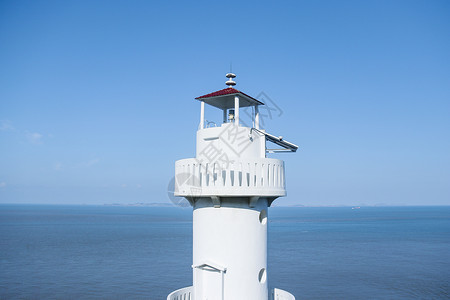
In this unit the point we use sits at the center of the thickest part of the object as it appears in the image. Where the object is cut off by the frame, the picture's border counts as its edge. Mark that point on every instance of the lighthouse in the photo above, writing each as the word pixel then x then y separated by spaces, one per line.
pixel 230 185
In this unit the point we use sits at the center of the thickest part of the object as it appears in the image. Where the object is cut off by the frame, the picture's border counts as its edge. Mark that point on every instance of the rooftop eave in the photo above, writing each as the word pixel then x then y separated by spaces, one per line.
pixel 225 99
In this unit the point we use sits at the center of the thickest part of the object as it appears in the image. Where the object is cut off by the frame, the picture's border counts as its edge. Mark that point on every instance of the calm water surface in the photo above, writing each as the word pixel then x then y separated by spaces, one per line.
pixel 107 252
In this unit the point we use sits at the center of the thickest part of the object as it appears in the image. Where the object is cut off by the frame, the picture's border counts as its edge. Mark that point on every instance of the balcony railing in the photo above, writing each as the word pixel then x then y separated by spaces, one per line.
pixel 186 294
pixel 243 177
pixel 278 294
pixel 181 294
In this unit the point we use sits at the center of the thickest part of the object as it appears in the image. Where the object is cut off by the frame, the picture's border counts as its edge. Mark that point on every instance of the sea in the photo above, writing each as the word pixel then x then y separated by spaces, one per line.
pixel 141 252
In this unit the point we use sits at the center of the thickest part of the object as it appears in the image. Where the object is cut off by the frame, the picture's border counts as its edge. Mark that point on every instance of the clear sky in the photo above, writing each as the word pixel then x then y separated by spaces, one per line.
pixel 97 97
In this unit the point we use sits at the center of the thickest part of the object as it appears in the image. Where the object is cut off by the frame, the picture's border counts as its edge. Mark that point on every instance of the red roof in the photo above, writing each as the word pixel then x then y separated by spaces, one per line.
pixel 227 91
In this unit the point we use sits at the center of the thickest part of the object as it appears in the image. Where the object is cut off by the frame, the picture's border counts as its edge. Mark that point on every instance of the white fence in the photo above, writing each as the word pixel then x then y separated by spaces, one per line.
pixel 278 294
pixel 247 177
pixel 181 294
pixel 186 294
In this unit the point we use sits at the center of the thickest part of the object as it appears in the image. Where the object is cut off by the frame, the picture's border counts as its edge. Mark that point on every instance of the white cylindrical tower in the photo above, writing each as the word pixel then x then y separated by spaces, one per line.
pixel 230 249
pixel 230 185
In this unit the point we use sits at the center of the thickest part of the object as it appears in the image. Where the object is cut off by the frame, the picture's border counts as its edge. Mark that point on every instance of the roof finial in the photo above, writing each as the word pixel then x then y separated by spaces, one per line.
pixel 230 81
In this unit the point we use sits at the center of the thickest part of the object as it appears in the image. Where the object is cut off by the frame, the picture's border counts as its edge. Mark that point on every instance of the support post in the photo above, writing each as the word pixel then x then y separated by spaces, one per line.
pixel 225 115
pixel 256 116
pixel 202 115
pixel 236 110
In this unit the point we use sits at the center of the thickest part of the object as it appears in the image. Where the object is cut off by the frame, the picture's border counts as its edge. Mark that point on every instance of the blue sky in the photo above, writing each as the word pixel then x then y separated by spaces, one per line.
pixel 97 97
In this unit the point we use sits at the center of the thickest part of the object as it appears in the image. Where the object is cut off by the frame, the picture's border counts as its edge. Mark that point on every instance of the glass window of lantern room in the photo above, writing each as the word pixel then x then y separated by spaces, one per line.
pixel 213 116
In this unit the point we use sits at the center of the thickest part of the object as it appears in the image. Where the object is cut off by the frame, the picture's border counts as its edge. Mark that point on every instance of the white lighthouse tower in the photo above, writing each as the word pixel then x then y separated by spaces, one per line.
pixel 230 185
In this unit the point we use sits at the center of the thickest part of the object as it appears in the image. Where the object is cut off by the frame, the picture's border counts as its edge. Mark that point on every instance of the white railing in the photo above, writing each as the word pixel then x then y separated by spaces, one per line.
pixel 181 294
pixel 243 177
pixel 186 294
pixel 278 294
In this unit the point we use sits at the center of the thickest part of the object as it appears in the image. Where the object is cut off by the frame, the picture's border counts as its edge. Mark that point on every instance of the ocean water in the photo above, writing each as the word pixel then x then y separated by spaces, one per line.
pixel 108 252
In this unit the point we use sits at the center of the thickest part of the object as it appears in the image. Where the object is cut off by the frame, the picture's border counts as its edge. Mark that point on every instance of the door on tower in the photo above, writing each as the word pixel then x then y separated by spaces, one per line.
pixel 209 282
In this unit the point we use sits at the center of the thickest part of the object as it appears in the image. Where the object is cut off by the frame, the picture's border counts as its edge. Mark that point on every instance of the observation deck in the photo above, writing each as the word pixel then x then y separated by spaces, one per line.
pixel 263 177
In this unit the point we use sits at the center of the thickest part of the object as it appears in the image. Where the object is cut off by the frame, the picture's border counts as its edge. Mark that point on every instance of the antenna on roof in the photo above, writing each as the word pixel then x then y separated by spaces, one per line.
pixel 230 81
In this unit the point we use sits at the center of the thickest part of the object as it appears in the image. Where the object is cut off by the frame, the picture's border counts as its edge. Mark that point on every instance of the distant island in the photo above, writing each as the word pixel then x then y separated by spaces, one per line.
pixel 160 204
